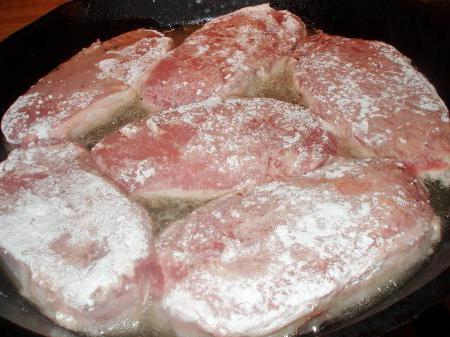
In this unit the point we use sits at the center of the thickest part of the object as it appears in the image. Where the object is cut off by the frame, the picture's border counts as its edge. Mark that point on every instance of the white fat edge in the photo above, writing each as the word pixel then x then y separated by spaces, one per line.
pixel 130 63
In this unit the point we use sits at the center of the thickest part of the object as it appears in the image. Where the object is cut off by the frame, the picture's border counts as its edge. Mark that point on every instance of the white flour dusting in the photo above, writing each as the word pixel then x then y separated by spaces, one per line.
pixel 215 145
pixel 259 261
pixel 369 91
pixel 77 234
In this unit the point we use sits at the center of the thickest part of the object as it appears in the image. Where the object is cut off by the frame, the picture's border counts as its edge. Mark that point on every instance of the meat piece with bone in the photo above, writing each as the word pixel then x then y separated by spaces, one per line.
pixel 292 254
pixel 231 56
pixel 203 150
pixel 373 98
pixel 73 243
pixel 93 90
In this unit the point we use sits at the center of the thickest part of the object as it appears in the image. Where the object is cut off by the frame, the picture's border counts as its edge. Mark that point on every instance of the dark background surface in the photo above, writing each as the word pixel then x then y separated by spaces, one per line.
pixel 421 32
pixel 15 14
pixel 434 322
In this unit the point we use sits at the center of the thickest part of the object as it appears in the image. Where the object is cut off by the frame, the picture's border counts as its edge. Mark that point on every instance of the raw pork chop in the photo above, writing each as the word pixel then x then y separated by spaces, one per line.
pixel 372 96
pixel 95 87
pixel 204 149
pixel 75 245
pixel 229 56
pixel 294 253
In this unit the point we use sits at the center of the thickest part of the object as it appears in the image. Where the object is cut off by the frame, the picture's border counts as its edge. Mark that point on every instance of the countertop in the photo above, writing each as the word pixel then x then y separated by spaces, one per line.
pixel 15 14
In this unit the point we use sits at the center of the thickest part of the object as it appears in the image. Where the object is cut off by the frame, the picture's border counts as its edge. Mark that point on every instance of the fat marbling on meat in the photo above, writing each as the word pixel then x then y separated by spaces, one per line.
pixel 205 149
pixel 74 244
pixel 96 87
pixel 230 56
pixel 290 254
pixel 376 101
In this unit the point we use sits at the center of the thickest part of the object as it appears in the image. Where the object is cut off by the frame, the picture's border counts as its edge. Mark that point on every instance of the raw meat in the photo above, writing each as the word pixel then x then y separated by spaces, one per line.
pixel 294 253
pixel 205 149
pixel 73 243
pixel 231 56
pixel 96 87
pixel 374 99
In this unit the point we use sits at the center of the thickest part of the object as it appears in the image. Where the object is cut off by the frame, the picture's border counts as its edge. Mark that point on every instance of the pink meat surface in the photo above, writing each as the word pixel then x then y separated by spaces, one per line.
pixel 75 245
pixel 295 252
pixel 205 149
pixel 88 90
pixel 375 100
pixel 224 58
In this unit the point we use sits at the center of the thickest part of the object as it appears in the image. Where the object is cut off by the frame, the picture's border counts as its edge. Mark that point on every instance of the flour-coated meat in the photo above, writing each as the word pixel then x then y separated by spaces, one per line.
pixel 374 99
pixel 92 89
pixel 294 253
pixel 75 245
pixel 205 149
pixel 226 57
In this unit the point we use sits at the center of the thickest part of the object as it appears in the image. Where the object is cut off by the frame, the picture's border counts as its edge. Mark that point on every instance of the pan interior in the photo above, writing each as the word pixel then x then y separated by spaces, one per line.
pixel 414 30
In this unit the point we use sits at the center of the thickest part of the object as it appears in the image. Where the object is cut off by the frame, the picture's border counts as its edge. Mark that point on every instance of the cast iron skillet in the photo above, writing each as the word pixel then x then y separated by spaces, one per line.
pixel 422 35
